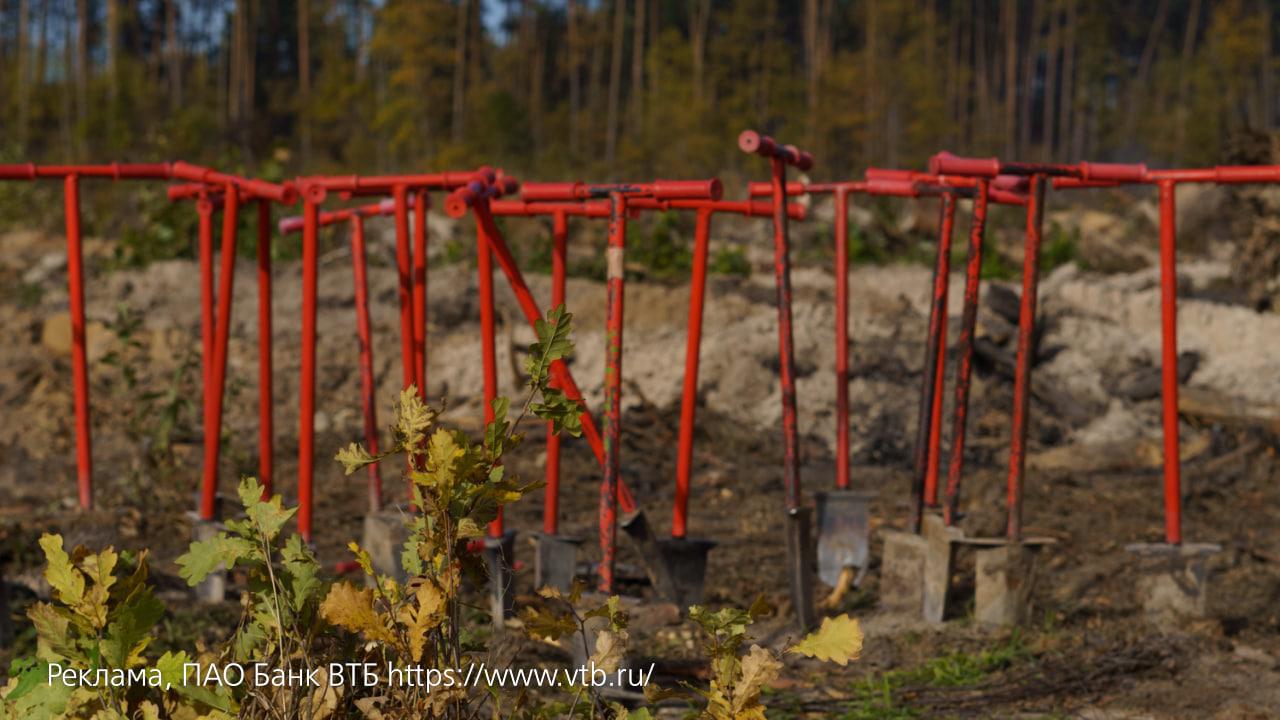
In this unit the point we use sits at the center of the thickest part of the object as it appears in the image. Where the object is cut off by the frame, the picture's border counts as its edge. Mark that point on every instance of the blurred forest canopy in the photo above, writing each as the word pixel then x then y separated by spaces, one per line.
pixel 637 88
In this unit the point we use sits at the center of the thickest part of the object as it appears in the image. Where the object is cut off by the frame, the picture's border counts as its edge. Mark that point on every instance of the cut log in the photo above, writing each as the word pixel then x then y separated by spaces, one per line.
pixel 1214 408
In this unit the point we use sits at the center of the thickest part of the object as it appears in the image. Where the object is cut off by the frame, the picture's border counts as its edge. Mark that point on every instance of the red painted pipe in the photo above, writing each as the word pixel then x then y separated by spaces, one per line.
pixel 1022 373
pixel 307 386
pixel 689 397
pixel 213 408
pixel 204 207
pixel 364 332
pixel 1169 361
pixel 752 142
pixel 612 416
pixel 79 359
pixel 421 201
pixel 488 352
pixel 559 256
pixel 659 189
pixel 266 432
pixel 942 290
pixel 842 338
pixel 559 371
pixel 935 346
pixel 964 368
pixel 403 267
pixel 786 344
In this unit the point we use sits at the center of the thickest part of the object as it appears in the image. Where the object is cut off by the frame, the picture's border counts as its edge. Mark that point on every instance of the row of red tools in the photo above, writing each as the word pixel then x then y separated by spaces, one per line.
pixel 676 565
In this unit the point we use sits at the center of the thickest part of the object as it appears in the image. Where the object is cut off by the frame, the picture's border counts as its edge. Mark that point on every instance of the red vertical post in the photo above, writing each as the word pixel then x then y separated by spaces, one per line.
pixel 786 343
pixel 420 200
pixel 940 371
pixel 79 358
pixel 488 352
pixel 403 267
pixel 265 430
pixel 964 368
pixel 559 255
pixel 1169 360
pixel 307 388
pixel 612 416
pixel 1022 372
pixel 213 401
pixel 921 494
pixel 841 199
pixel 204 209
pixel 368 396
pixel 689 398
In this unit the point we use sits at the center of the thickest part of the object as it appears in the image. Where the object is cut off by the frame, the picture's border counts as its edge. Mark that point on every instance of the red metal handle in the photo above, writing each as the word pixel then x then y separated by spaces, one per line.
pixel 1115 172
pixel 1005 197
pixel 688 189
pixel 896 188
pixel 22 171
pixel 285 193
pixel 944 163
pixel 763 189
pixel 1011 183
pixel 455 206
pixel 888 174
pixel 753 143
pixel 553 192
pixel 1239 174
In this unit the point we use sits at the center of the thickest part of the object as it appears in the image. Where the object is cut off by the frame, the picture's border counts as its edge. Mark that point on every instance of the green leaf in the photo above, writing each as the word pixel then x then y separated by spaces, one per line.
pixel 250 491
pixel 170 666
pixel 354 457
pixel 540 623
pixel 838 640
pixel 130 633
pixel 204 557
pixel 553 344
pixel 301 572
pixel 61 574
pixel 270 516
pixel 413 418
pixel 564 413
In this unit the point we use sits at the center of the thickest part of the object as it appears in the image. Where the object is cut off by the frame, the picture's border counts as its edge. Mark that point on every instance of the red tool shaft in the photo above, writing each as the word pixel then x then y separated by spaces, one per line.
pixel 364 333
pixel 1169 361
pixel 204 208
pixel 842 338
pixel 934 344
pixel 488 352
pixel 1026 346
pixel 266 432
pixel 403 267
pixel 689 396
pixel 942 294
pixel 307 386
pixel 213 408
pixel 79 359
pixel 786 342
pixel 559 371
pixel 612 416
pixel 559 256
pixel 964 367
pixel 420 205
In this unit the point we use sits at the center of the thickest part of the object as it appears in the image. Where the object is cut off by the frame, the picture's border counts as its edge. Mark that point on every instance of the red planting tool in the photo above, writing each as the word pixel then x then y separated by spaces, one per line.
pixel 412 284
pixel 614 492
pixel 800 549
pixel 843 515
pixel 71 175
pixel 1037 174
pixel 1166 182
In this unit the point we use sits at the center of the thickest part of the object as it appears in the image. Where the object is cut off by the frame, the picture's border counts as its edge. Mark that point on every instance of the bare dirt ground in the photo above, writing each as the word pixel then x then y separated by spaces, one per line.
pixel 1093 478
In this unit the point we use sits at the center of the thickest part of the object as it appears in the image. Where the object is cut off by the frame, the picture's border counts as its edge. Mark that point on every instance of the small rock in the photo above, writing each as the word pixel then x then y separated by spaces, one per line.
pixel 46 266
pixel 1254 655
pixel 322 423
pixel 55 336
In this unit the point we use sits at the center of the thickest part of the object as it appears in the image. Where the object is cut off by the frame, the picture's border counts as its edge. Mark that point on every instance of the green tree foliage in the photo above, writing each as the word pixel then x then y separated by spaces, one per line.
pixel 406 84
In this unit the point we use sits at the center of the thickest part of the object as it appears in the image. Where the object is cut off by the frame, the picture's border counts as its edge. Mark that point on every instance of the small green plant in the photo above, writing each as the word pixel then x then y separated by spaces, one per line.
pixel 730 260
pixel 1062 248
pixel 660 251
pixel 92 640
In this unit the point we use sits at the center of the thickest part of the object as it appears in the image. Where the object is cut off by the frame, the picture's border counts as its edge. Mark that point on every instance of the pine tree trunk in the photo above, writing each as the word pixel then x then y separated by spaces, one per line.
pixel 1184 80
pixel 871 139
pixel 1051 81
pixel 1069 76
pixel 699 25
pixel 1009 25
pixel 575 76
pixel 615 84
pixel 304 76
pixel 638 28
pixel 458 116
pixel 23 71
pixel 1027 93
